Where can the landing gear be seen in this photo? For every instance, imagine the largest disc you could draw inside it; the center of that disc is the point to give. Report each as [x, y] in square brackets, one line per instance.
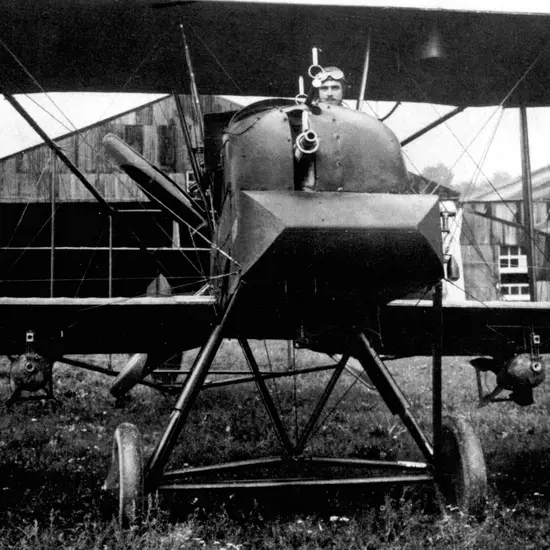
[126, 474]
[453, 459]
[462, 474]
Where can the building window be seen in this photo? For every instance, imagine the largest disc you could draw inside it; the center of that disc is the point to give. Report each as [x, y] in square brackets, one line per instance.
[513, 259]
[515, 291]
[514, 278]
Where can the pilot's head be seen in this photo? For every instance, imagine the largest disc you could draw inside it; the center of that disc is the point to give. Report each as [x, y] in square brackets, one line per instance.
[331, 86]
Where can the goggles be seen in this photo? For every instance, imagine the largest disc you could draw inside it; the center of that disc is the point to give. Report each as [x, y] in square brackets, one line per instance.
[323, 76]
[335, 74]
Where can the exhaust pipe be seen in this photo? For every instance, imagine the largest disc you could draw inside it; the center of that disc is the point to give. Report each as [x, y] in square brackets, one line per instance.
[155, 183]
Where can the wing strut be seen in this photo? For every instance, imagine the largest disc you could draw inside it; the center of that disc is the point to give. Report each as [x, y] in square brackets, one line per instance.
[189, 392]
[361, 98]
[106, 207]
[528, 203]
[432, 125]
[194, 89]
[54, 147]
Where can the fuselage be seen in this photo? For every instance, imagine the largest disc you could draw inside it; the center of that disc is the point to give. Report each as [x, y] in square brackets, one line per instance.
[317, 219]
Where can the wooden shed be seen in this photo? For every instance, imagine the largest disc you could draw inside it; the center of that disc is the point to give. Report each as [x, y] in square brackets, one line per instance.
[494, 242]
[54, 238]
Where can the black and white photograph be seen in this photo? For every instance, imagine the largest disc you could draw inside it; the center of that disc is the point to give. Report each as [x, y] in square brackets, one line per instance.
[274, 274]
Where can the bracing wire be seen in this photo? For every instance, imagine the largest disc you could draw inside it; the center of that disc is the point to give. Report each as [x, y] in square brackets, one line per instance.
[47, 222]
[225, 71]
[501, 104]
[274, 382]
[92, 256]
[479, 169]
[355, 378]
[192, 230]
[292, 366]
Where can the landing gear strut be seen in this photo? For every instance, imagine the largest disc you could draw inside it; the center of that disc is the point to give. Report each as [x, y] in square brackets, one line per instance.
[453, 459]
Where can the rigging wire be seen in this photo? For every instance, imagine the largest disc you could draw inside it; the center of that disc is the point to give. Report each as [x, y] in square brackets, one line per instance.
[465, 149]
[29, 245]
[85, 140]
[292, 367]
[35, 81]
[356, 377]
[275, 384]
[92, 256]
[191, 234]
[106, 207]
[471, 237]
[131, 189]
[47, 222]
[217, 61]
[27, 204]
[501, 104]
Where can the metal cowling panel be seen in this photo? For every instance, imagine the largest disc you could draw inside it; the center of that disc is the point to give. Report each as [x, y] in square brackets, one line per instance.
[381, 246]
[259, 152]
[357, 153]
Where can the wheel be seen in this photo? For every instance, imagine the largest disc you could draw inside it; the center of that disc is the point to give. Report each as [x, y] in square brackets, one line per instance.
[126, 474]
[462, 477]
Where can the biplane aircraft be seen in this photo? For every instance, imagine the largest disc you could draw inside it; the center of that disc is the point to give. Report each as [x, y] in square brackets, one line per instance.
[305, 211]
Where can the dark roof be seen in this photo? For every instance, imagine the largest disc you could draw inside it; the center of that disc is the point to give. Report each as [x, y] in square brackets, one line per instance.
[513, 190]
[421, 185]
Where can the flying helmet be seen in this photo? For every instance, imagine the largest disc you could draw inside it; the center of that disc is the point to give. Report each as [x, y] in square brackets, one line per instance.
[328, 73]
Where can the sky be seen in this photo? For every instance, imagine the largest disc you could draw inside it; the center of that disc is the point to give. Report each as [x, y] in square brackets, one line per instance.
[474, 145]
[60, 113]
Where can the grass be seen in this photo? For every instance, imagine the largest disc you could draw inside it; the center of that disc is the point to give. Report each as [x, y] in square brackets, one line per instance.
[55, 455]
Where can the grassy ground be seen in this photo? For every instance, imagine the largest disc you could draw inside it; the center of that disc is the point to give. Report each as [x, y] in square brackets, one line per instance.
[55, 455]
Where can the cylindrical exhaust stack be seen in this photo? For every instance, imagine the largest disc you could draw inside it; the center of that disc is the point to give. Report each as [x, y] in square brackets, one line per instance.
[155, 183]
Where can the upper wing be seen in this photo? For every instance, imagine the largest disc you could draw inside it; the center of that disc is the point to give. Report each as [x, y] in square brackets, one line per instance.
[407, 327]
[260, 49]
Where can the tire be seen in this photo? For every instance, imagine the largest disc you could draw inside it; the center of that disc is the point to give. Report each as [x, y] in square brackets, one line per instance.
[463, 476]
[126, 475]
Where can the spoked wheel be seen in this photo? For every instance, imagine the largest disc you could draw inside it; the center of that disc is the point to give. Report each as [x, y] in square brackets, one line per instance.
[126, 474]
[463, 477]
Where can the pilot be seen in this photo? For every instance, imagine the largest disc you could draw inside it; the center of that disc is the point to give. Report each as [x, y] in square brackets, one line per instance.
[330, 86]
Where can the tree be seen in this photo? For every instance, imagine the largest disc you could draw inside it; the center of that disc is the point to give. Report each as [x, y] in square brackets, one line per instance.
[439, 173]
[498, 179]
[484, 185]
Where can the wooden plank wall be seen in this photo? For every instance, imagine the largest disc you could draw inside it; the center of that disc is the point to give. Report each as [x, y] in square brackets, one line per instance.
[481, 240]
[27, 176]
